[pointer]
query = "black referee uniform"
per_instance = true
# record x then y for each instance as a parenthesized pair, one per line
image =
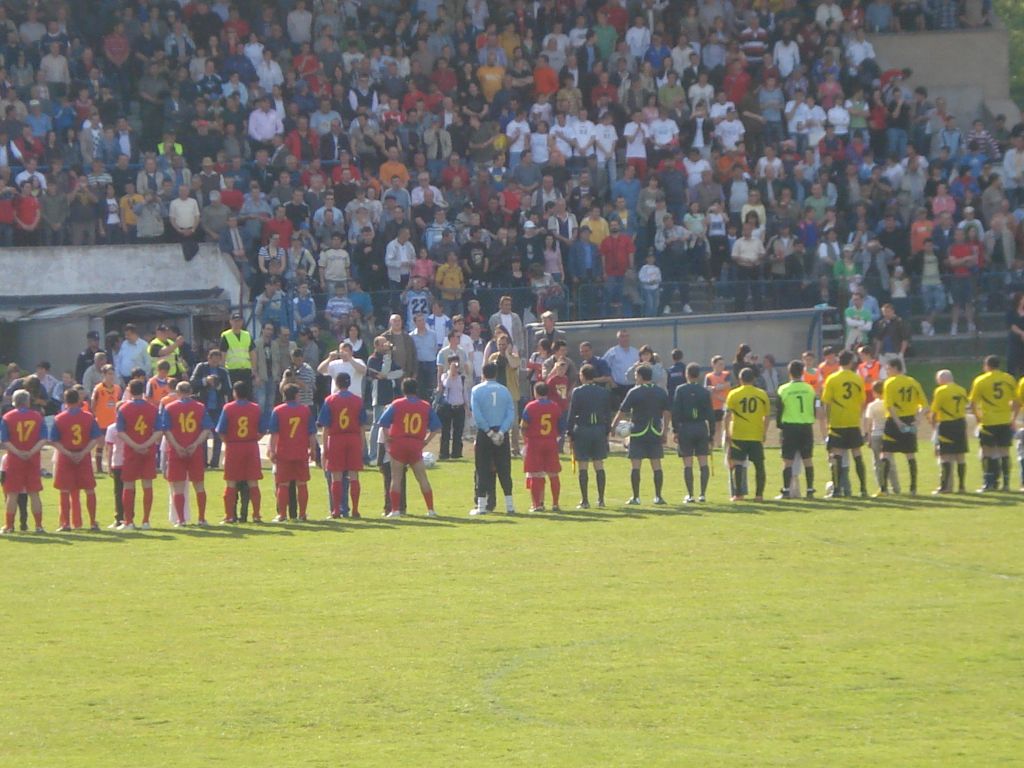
(693, 421)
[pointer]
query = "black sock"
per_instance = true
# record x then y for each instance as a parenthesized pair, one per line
(787, 479)
(736, 479)
(243, 500)
(990, 469)
(946, 476)
(23, 509)
(1005, 466)
(858, 465)
(760, 479)
(600, 485)
(584, 486)
(809, 474)
(961, 475)
(688, 479)
(659, 479)
(883, 479)
(634, 478)
(912, 466)
(705, 474)
(844, 477)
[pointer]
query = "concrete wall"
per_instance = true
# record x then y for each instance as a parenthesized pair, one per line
(970, 68)
(90, 270)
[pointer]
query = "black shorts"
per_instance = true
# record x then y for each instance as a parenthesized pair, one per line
(844, 438)
(590, 444)
(744, 450)
(900, 435)
(797, 438)
(995, 435)
(952, 437)
(693, 439)
(646, 448)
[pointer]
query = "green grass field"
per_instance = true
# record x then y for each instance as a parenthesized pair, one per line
(882, 633)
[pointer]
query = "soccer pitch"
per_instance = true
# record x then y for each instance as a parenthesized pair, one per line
(850, 633)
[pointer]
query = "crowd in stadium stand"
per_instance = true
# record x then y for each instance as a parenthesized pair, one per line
(358, 159)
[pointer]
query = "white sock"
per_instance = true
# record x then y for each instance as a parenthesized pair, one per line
(509, 506)
(481, 503)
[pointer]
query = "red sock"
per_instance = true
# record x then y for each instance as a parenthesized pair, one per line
(396, 500)
(230, 497)
(282, 500)
(65, 510)
(90, 505)
(428, 497)
(556, 489)
(537, 491)
(336, 495)
(302, 495)
(147, 503)
(353, 490)
(201, 504)
(128, 502)
(76, 510)
(255, 497)
(179, 506)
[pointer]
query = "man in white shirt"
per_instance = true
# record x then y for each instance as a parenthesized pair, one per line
(563, 133)
(730, 131)
(695, 165)
(342, 361)
(748, 254)
(398, 258)
(265, 123)
(605, 139)
(638, 38)
(518, 133)
(636, 135)
(839, 118)
(664, 134)
(720, 107)
(584, 137)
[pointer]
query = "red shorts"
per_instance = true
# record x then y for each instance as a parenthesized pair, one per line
(184, 468)
(542, 456)
(289, 470)
(344, 452)
(68, 476)
(138, 466)
(242, 462)
(22, 476)
(406, 450)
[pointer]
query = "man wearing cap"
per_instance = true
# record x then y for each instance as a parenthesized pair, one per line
(87, 356)
(239, 352)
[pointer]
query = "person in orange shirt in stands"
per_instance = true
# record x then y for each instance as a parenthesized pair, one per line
(545, 79)
(393, 167)
(104, 400)
(490, 76)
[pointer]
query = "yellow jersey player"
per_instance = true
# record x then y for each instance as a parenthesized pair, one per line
(993, 394)
(949, 417)
(904, 399)
(843, 396)
(747, 411)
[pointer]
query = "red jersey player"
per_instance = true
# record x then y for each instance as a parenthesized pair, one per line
(343, 418)
(21, 434)
(137, 425)
(292, 443)
(187, 426)
(542, 424)
(73, 435)
(410, 423)
(240, 429)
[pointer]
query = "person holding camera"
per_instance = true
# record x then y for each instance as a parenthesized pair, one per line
(451, 407)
